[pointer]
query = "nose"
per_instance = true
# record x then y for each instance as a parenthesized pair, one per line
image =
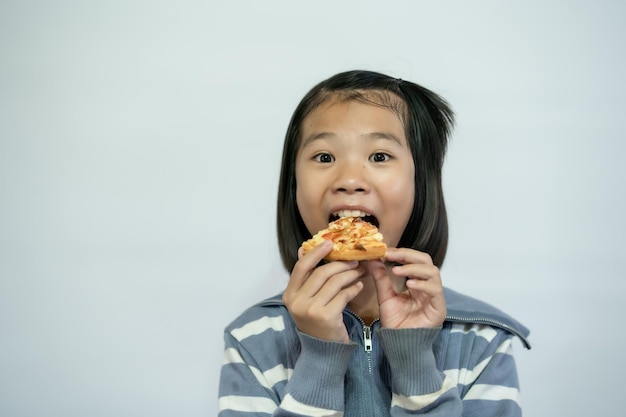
(352, 178)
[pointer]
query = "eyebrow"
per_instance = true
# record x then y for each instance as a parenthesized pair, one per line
(371, 136)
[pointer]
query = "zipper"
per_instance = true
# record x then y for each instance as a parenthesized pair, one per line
(367, 338)
(492, 322)
(367, 330)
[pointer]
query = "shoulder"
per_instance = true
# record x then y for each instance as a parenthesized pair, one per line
(267, 315)
(468, 310)
(263, 336)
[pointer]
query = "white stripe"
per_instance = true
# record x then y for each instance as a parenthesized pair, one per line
(277, 374)
(247, 404)
(493, 393)
(232, 356)
(258, 326)
(466, 376)
(454, 374)
(417, 402)
(292, 405)
(486, 332)
(268, 378)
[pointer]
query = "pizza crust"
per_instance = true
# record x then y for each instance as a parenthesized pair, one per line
(353, 239)
(369, 252)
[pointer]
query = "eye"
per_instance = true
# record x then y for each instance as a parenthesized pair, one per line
(379, 157)
(324, 158)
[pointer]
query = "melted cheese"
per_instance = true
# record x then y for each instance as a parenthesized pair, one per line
(348, 233)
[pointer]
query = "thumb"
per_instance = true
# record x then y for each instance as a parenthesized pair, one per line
(382, 281)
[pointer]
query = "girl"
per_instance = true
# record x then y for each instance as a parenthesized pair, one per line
(373, 338)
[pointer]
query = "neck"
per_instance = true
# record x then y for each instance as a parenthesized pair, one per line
(365, 305)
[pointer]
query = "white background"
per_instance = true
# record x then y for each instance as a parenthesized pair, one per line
(139, 153)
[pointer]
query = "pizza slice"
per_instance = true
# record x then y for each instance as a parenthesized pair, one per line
(353, 238)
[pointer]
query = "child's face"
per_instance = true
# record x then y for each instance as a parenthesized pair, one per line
(355, 156)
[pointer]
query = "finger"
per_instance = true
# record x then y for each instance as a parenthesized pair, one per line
(335, 284)
(333, 296)
(332, 277)
(418, 271)
(343, 297)
(307, 263)
(427, 288)
(408, 256)
(421, 277)
(382, 281)
(430, 288)
(317, 253)
(430, 296)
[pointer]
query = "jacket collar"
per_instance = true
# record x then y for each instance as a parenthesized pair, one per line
(464, 309)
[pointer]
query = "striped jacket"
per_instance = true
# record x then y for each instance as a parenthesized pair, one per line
(465, 368)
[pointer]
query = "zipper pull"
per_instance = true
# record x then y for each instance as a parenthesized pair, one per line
(367, 338)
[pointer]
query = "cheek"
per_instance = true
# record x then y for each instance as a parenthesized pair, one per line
(401, 189)
(306, 201)
(403, 200)
(300, 186)
(303, 191)
(399, 198)
(301, 201)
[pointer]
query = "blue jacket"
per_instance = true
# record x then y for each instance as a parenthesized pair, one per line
(464, 368)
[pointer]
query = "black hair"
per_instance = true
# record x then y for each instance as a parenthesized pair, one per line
(428, 122)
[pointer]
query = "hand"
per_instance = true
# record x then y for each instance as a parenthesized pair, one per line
(421, 303)
(316, 296)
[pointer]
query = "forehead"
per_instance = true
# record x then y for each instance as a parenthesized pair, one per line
(378, 98)
(358, 112)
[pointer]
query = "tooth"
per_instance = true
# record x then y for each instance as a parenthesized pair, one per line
(350, 213)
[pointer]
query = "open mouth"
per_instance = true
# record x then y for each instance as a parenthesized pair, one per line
(354, 213)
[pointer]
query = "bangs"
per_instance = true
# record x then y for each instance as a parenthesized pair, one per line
(374, 97)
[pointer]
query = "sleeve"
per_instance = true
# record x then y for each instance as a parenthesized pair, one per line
(315, 386)
(418, 387)
(487, 379)
(479, 377)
